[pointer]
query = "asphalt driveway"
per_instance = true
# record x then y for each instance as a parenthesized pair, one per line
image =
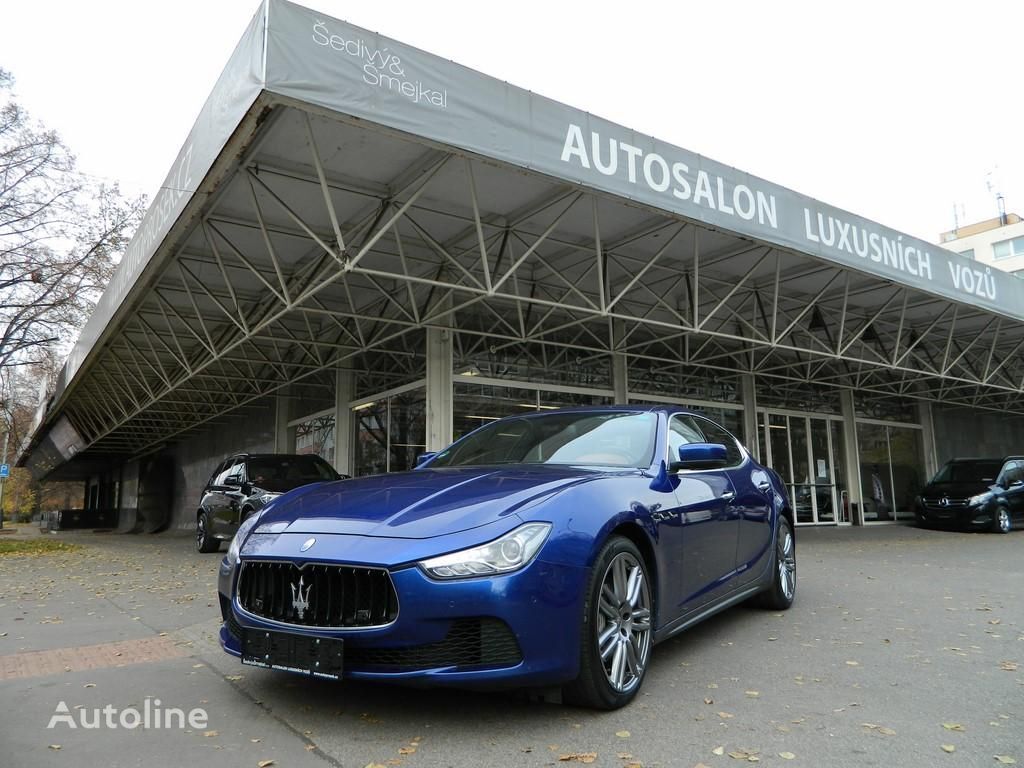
(904, 648)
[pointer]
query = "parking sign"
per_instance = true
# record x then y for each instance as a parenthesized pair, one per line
(5, 470)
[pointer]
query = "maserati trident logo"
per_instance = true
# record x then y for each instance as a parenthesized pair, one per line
(307, 544)
(300, 598)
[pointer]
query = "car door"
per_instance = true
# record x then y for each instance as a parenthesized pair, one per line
(1013, 482)
(707, 524)
(228, 496)
(752, 504)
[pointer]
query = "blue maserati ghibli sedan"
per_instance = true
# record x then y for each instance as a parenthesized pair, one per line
(547, 549)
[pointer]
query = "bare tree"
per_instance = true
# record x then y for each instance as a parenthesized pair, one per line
(61, 235)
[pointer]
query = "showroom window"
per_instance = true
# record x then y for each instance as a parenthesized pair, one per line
(316, 435)
(391, 432)
(480, 402)
(891, 464)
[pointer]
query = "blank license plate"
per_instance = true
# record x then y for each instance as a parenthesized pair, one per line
(316, 656)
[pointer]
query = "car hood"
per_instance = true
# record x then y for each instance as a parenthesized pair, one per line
(422, 503)
(956, 490)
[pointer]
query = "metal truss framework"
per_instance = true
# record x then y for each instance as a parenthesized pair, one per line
(335, 246)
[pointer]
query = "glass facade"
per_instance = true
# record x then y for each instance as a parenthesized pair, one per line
(316, 435)
(891, 465)
(390, 433)
(477, 404)
(808, 453)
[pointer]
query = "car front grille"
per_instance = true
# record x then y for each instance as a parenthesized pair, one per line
(317, 595)
(471, 642)
(944, 503)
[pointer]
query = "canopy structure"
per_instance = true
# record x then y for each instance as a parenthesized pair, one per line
(341, 192)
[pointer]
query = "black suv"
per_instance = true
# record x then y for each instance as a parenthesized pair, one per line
(974, 493)
(247, 482)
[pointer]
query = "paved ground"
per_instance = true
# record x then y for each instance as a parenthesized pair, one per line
(901, 641)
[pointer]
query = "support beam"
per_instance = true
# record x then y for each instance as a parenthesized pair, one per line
(343, 421)
(439, 388)
(851, 452)
(748, 395)
(284, 436)
(620, 365)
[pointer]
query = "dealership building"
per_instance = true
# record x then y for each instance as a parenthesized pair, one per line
(365, 251)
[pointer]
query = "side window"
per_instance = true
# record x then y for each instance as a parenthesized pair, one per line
(238, 470)
(216, 476)
(1014, 472)
(223, 472)
(715, 434)
(682, 431)
(231, 468)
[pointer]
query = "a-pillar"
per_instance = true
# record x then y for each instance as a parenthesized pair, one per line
(344, 386)
(439, 388)
(851, 451)
(748, 395)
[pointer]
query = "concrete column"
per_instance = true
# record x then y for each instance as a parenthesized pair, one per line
(924, 414)
(284, 436)
(344, 438)
(748, 396)
(440, 398)
(852, 451)
(620, 367)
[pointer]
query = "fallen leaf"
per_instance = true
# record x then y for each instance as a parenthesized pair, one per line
(407, 750)
(210, 734)
(787, 755)
(581, 757)
(948, 748)
(718, 751)
(1005, 759)
(89, 685)
(725, 715)
(753, 694)
(374, 765)
(953, 727)
(625, 755)
(233, 678)
(887, 731)
(853, 663)
(55, 746)
(255, 741)
(310, 747)
(622, 734)
(708, 700)
(1009, 666)
(264, 764)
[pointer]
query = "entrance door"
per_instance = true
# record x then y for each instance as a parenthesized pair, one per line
(800, 449)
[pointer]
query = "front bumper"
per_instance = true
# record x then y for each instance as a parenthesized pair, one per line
(962, 518)
(519, 629)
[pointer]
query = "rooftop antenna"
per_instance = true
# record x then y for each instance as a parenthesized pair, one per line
(993, 189)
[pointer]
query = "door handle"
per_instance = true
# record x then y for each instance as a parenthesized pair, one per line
(764, 486)
(728, 496)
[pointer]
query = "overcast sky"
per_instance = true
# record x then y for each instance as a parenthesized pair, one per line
(897, 111)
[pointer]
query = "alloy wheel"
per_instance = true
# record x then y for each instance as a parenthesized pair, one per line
(1003, 519)
(787, 563)
(624, 622)
(201, 532)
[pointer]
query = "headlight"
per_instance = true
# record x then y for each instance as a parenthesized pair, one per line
(236, 543)
(509, 553)
(266, 498)
(979, 500)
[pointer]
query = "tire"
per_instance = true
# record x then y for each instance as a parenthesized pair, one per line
(1001, 522)
(205, 542)
(617, 619)
(780, 595)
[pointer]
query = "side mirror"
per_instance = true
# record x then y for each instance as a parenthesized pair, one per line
(233, 482)
(423, 458)
(700, 456)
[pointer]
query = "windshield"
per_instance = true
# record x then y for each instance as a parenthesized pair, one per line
(282, 473)
(614, 439)
(969, 472)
